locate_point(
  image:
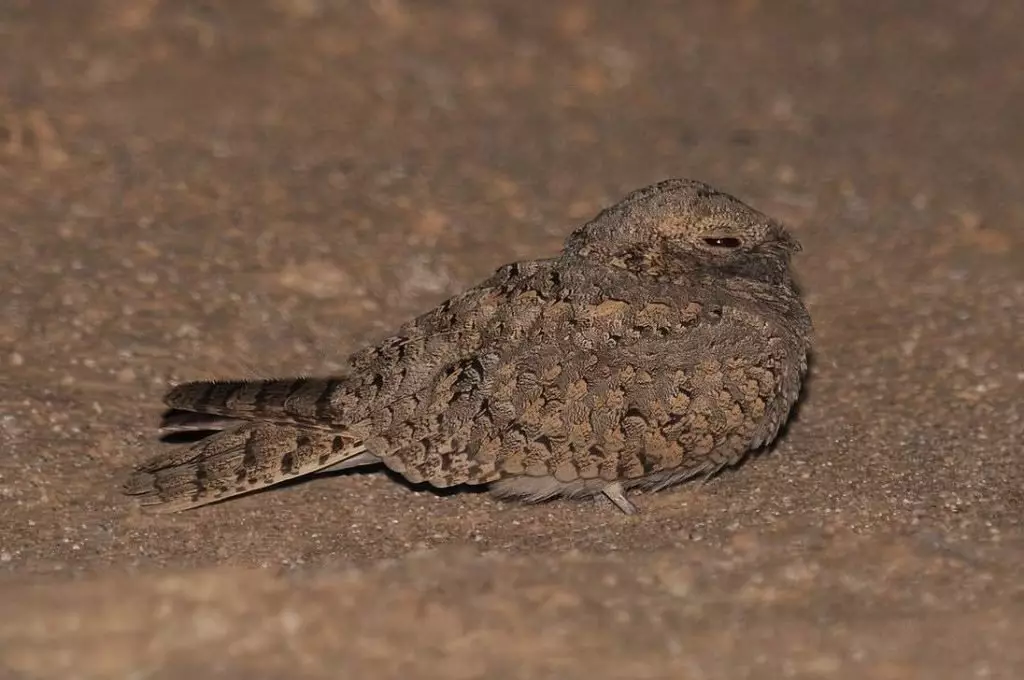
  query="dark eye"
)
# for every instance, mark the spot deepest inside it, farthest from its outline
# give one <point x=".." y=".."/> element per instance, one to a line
<point x="724" y="242"/>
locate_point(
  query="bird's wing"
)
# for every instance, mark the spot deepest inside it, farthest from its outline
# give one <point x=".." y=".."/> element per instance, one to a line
<point x="613" y="390"/>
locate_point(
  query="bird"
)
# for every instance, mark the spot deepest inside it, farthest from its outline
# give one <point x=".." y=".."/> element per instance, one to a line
<point x="664" y="342"/>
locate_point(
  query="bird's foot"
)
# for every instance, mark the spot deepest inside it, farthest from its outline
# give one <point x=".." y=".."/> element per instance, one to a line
<point x="617" y="495"/>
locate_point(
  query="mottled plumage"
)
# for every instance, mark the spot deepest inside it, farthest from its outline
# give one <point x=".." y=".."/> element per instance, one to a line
<point x="665" y="341"/>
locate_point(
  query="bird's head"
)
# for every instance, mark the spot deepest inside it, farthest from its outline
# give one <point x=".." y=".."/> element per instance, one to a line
<point x="687" y="225"/>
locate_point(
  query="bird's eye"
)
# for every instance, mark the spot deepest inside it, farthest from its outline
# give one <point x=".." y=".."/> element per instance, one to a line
<point x="723" y="242"/>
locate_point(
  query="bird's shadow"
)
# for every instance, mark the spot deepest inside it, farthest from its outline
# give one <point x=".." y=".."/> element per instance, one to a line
<point x="805" y="394"/>
<point x="189" y="437"/>
<point x="794" y="412"/>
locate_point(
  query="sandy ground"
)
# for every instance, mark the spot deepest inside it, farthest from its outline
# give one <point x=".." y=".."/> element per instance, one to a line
<point x="208" y="189"/>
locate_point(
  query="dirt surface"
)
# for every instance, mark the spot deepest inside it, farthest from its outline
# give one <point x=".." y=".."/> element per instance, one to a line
<point x="198" y="189"/>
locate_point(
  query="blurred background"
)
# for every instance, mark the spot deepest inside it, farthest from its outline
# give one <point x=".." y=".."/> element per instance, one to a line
<point x="211" y="189"/>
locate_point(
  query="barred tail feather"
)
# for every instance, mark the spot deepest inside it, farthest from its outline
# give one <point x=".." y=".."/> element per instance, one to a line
<point x="300" y="400"/>
<point x="243" y="458"/>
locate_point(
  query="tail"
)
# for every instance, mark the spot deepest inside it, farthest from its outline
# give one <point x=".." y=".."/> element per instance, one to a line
<point x="296" y="400"/>
<point x="247" y="457"/>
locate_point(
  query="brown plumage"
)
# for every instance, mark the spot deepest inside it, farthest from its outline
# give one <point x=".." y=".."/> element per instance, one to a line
<point x="664" y="342"/>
